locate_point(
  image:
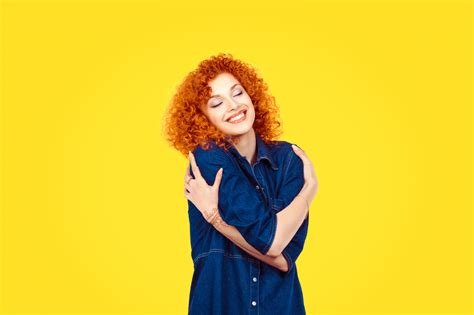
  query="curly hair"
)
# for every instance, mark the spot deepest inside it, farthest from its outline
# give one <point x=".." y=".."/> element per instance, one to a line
<point x="186" y="126"/>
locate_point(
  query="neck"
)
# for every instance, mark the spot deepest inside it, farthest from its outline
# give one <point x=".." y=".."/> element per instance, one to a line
<point x="247" y="146"/>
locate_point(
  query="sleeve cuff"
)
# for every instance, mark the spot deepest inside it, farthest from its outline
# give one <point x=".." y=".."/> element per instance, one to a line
<point x="289" y="260"/>
<point x="272" y="235"/>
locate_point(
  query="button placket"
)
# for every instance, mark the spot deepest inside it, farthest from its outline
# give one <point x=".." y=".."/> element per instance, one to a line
<point x="258" y="186"/>
<point x="245" y="167"/>
<point x="254" y="286"/>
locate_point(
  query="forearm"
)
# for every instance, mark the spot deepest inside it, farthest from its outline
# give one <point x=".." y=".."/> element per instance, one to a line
<point x="288" y="222"/>
<point x="236" y="237"/>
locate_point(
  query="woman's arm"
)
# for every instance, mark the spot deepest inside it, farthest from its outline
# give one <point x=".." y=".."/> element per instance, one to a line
<point x="290" y="219"/>
<point x="288" y="222"/>
<point x="236" y="237"/>
<point x="285" y="223"/>
<point x="293" y="217"/>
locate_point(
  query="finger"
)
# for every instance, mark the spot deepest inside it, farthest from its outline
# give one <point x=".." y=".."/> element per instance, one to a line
<point x="298" y="149"/>
<point x="218" y="178"/>
<point x="186" y="174"/>
<point x="188" y="181"/>
<point x="189" y="171"/>
<point x="300" y="153"/>
<point x="194" y="166"/>
<point x="187" y="186"/>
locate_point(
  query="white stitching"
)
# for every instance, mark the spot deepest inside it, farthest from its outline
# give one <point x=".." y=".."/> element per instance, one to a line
<point x="216" y="250"/>
<point x="289" y="162"/>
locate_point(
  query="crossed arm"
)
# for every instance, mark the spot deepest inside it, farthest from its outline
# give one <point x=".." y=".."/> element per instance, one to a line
<point x="236" y="237"/>
<point x="289" y="220"/>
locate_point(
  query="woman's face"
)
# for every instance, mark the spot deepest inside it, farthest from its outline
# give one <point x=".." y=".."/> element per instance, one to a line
<point x="228" y="99"/>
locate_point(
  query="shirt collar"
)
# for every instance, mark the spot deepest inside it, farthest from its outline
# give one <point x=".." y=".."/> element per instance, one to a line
<point x="263" y="152"/>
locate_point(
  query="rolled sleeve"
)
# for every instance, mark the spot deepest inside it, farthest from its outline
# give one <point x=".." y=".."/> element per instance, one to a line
<point x="293" y="183"/>
<point x="239" y="204"/>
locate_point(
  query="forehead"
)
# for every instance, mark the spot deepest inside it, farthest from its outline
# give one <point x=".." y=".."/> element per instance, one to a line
<point x="222" y="82"/>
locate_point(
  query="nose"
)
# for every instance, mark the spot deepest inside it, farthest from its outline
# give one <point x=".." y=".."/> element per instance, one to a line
<point x="233" y="105"/>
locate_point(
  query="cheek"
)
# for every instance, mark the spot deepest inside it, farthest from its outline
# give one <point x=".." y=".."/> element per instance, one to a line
<point x="216" y="117"/>
<point x="252" y="111"/>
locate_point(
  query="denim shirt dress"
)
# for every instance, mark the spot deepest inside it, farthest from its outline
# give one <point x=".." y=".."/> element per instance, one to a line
<point x="226" y="279"/>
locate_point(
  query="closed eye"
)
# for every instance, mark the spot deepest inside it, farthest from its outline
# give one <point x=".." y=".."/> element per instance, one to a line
<point x="221" y="102"/>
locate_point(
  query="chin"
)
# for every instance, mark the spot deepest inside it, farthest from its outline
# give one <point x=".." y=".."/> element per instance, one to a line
<point x="237" y="130"/>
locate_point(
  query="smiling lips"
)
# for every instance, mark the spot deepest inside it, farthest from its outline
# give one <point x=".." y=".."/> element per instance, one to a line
<point x="237" y="117"/>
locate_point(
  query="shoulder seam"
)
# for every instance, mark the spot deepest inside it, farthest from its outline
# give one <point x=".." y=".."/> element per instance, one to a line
<point x="289" y="162"/>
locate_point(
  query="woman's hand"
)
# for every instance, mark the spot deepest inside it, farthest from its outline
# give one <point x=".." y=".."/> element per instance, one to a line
<point x="203" y="196"/>
<point x="310" y="186"/>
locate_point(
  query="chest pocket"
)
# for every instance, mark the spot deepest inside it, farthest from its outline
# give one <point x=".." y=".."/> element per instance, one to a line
<point x="277" y="204"/>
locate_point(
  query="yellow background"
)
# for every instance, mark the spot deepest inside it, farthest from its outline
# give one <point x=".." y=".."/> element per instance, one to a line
<point x="378" y="93"/>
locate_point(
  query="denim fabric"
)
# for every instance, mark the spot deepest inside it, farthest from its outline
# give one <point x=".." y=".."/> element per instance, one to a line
<point x="226" y="279"/>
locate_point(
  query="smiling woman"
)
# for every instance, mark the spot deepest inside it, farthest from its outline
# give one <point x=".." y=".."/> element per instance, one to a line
<point x="204" y="94"/>
<point x="248" y="193"/>
<point x="231" y="110"/>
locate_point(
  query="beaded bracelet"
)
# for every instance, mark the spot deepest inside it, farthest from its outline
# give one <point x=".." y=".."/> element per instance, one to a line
<point x="212" y="215"/>
<point x="216" y="220"/>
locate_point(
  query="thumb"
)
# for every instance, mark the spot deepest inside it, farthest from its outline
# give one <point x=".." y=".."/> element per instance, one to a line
<point x="218" y="179"/>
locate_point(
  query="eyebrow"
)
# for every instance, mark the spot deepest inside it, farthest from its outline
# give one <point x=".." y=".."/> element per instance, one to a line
<point x="230" y="88"/>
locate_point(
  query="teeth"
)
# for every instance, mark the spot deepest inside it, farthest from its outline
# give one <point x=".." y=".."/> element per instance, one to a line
<point x="237" y="117"/>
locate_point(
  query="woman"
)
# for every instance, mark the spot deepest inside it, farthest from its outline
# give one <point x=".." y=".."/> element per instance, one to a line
<point x="248" y="194"/>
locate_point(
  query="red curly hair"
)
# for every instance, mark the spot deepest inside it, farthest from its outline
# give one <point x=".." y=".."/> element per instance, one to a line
<point x="186" y="126"/>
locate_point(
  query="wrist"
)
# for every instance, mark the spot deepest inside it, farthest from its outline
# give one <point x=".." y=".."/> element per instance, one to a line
<point x="308" y="191"/>
<point x="305" y="193"/>
<point x="211" y="214"/>
<point x="216" y="220"/>
<point x="305" y="199"/>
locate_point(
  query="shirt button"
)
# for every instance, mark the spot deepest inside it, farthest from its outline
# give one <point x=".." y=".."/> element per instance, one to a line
<point x="254" y="279"/>
<point x="258" y="187"/>
<point x="254" y="303"/>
